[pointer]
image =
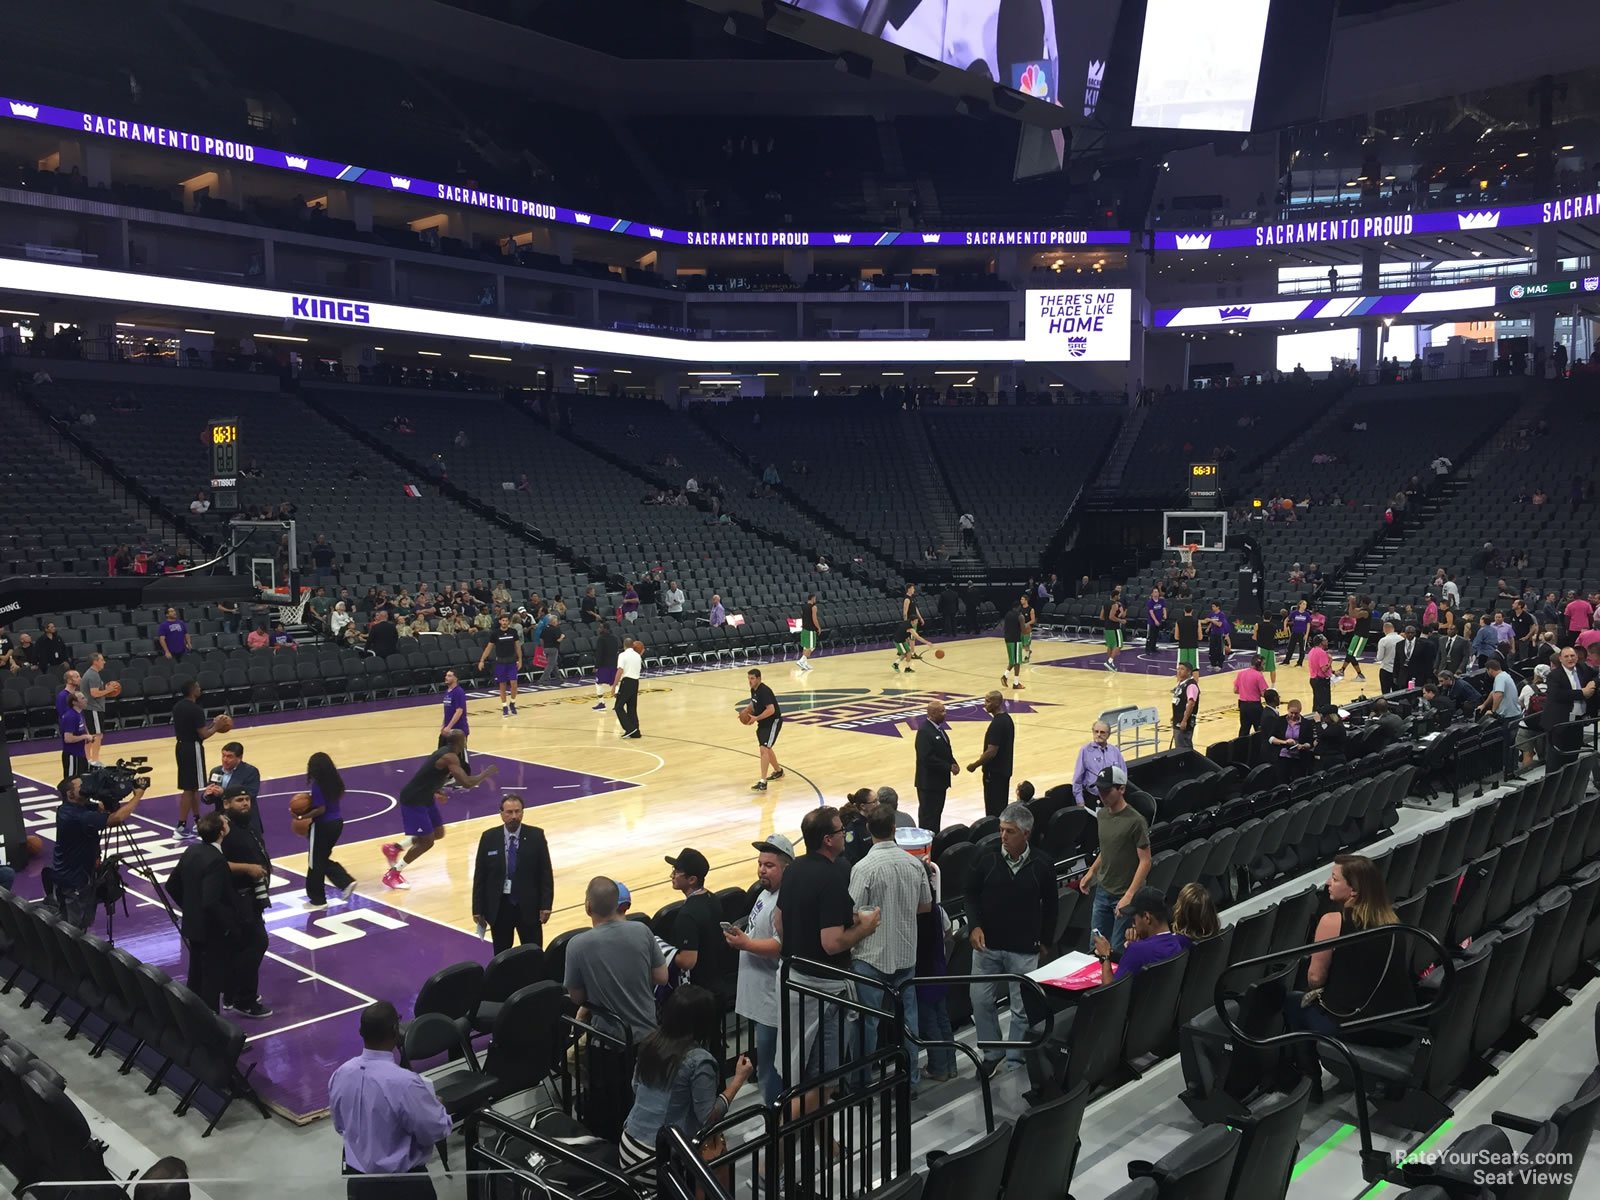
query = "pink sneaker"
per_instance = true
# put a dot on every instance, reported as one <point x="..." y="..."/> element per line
<point x="393" y="879"/>
<point x="392" y="852"/>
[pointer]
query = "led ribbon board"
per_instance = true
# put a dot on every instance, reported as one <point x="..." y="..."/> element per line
<point x="1096" y="318"/>
<point x="186" y="141"/>
<point x="1273" y="312"/>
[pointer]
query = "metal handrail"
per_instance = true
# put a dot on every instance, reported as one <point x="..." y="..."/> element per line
<point x="1376" y="1164"/>
<point x="612" y="1181"/>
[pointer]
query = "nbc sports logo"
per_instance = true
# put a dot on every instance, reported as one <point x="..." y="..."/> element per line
<point x="841" y="239"/>
<point x="295" y="161"/>
<point x="1077" y="347"/>
<point x="1034" y="82"/>
<point x="1238" y="313"/>
<point x="582" y="218"/>
<point x="655" y="231"/>
<point x="1192" y="241"/>
<point x="1478" y="220"/>
<point x="19" y="109"/>
<point x="1091" y="87"/>
<point x="403" y="184"/>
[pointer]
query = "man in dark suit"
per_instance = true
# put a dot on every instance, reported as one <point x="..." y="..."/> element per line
<point x="936" y="767"/>
<point x="233" y="772"/>
<point x="1453" y="651"/>
<point x="1416" y="660"/>
<point x="513" y="887"/>
<point x="201" y="885"/>
<point x="1569" y="694"/>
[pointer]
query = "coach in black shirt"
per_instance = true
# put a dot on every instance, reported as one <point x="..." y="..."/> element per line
<point x="995" y="760"/>
<point x="246" y="852"/>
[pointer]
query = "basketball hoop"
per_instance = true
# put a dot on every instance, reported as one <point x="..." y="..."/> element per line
<point x="1186" y="554"/>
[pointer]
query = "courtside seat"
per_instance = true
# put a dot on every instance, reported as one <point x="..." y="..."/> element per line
<point x="1417" y="1077"/>
<point x="1269" y="1144"/>
<point x="1199" y="1169"/>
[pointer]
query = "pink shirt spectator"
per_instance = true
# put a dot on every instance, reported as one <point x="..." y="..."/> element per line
<point x="256" y="639"/>
<point x="1318" y="664"/>
<point x="1588" y="638"/>
<point x="1249" y="684"/>
<point x="1430" y="614"/>
<point x="1579" y="614"/>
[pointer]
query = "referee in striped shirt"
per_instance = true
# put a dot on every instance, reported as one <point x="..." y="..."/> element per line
<point x="1096" y="756"/>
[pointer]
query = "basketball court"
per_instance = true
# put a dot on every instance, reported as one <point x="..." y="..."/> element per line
<point x="607" y="806"/>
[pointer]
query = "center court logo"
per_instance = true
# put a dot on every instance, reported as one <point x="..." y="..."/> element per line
<point x="890" y="713"/>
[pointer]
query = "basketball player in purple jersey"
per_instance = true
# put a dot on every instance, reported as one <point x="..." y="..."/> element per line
<point x="506" y="645"/>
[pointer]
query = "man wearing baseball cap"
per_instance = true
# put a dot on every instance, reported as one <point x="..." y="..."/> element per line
<point x="758" y="948"/>
<point x="1119" y="870"/>
<point x="697" y="929"/>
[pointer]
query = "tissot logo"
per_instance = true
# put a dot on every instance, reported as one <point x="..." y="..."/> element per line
<point x="295" y="161"/>
<point x="344" y="311"/>
<point x="19" y="109"/>
<point x="1478" y="220"/>
<point x="403" y="184"/>
<point x="1239" y="313"/>
<point x="1192" y="241"/>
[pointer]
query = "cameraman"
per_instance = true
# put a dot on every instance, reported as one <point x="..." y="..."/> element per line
<point x="246" y="853"/>
<point x="69" y="879"/>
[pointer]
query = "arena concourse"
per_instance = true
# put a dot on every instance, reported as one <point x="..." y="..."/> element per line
<point x="707" y="599"/>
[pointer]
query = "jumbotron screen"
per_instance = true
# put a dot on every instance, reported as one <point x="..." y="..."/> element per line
<point x="1052" y="50"/>
<point x="1199" y="64"/>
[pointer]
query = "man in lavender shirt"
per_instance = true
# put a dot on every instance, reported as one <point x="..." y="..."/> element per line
<point x="1094" y="757"/>
<point x="1149" y="939"/>
<point x="455" y="714"/>
<point x="172" y="635"/>
<point x="389" y="1116"/>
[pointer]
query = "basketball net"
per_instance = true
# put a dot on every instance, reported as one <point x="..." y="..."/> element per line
<point x="1186" y="554"/>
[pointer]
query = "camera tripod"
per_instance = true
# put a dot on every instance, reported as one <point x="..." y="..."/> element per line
<point x="119" y="848"/>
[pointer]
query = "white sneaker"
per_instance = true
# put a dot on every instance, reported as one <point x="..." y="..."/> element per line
<point x="347" y="892"/>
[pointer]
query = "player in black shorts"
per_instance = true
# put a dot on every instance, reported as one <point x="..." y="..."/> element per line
<point x="768" y="718"/>
<point x="506" y="645"/>
<point x="190" y="728"/>
<point x="910" y="630"/>
<point x="419" y="803"/>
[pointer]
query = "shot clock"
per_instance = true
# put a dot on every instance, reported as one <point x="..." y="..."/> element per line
<point x="1205" y="484"/>
<point x="223" y="436"/>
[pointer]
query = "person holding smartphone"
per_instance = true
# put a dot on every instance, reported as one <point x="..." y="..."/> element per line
<point x="703" y="951"/>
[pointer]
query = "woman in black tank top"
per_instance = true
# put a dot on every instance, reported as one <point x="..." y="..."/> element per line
<point x="1363" y="979"/>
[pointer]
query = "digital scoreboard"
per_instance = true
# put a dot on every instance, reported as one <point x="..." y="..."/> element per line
<point x="1205" y="484"/>
<point x="222" y="434"/>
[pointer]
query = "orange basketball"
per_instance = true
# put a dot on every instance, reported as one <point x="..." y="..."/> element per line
<point x="114" y="688"/>
<point x="300" y="805"/>
<point x="638" y="647"/>
<point x="223" y="724"/>
<point x="938" y="653"/>
<point x="746" y="717"/>
<point x="35" y="845"/>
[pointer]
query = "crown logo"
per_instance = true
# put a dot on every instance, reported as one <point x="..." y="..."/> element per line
<point x="581" y="218"/>
<point x="1239" y="313"/>
<point x="19" y="109"/>
<point x="841" y="239"/>
<point x="930" y="239"/>
<point x="655" y="231"/>
<point x="295" y="161"/>
<point x="403" y="184"/>
<point x="1192" y="241"/>
<point x="1077" y="347"/>
<point x="1479" y="220"/>
<point x="1097" y="73"/>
